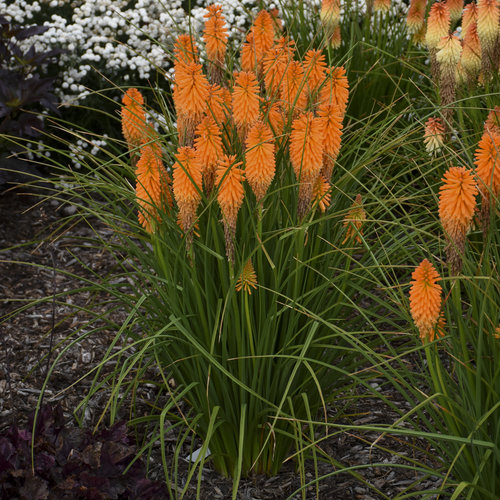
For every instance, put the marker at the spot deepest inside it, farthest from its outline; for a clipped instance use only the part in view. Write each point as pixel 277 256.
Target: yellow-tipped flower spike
pixel 488 30
pixel 247 279
pixel 151 187
pixel 335 88
pixel 259 158
pixel 314 69
pixel 488 17
pixel 434 135
pixel 330 15
pixel 293 88
pixel 449 50
pixel 187 186
pixel 425 300
pixel 230 195
pixel 492 124
pixel 416 16
pixel 438 24
pixel 133 118
pixel 321 193
pixel 245 100
pixel 382 5
pixel 353 222
pixel 471 54
pixel 469 17
pixel 208 145
pixel 455 8
pixel 457 204
pixel 332 120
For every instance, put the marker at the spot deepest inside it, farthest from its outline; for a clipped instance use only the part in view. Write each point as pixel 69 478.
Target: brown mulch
pixel 31 260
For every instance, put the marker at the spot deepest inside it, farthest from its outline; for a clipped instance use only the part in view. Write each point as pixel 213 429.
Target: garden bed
pixel 27 256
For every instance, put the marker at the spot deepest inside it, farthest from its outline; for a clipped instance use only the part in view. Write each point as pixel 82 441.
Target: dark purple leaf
pixel 115 453
pixel 31 31
pixel 117 432
pixel 44 462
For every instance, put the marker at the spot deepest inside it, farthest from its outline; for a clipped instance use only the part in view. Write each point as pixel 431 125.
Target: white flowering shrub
pixel 122 41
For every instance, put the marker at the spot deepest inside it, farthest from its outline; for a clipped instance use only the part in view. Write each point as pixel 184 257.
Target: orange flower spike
pixel 306 146
pixel 293 88
pixel 151 187
pixel 245 99
pixel 215 33
pixel 314 69
pixel 335 89
pixel 277 22
pixel 382 5
pixel 306 155
pixel 208 145
pixel 487 161
pixel 133 118
pixel 230 195
pixel 247 279
pixel 457 201
pixel 274 66
pixel 438 24
pixel 249 54
pixel 434 135
pixel 416 16
pixel 469 18
pixel 425 299
pixel 455 8
pixel 321 193
pixel 336 38
pixel 259 158
pixel 332 119
pixel 216 103
pixel 229 178
pixel 185 50
pixel 353 222
pixel 192 89
pixel 187 185
pixel 263 33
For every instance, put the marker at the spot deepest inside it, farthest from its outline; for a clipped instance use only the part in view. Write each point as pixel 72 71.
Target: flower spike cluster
pixel 276 102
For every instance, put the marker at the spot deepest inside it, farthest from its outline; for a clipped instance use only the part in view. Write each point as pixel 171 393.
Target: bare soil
pixel 37 323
